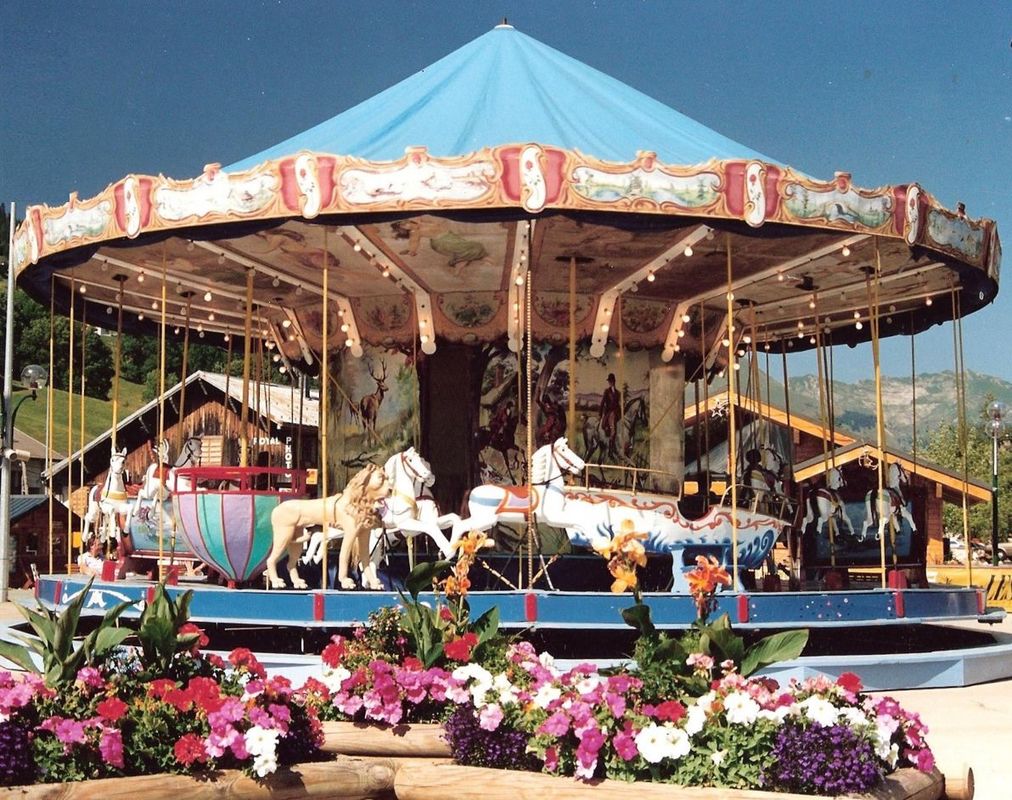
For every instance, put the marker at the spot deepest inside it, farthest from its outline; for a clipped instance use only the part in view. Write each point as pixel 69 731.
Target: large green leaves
pixel 158 630
pixel 55 641
pixel 772 649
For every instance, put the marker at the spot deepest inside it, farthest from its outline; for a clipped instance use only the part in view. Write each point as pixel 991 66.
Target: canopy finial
pixel 504 24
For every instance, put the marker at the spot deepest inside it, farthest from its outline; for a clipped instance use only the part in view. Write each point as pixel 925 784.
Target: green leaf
pixel 433 654
pixel 487 625
pixel 782 646
pixel 638 617
pixel 19 654
pixel 730 644
pixel 421 578
pixel 105 639
pixel 670 650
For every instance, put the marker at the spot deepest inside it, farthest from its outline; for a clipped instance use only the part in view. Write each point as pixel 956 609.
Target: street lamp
pixel 995 426
pixel 33 377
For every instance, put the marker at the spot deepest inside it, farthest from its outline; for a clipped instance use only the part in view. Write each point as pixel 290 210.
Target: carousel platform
pixel 542 609
pixel 894 639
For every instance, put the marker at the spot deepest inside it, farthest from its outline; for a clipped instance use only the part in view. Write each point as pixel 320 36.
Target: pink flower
pixel 111 747
pixel 490 717
pixel 849 682
pixel 925 760
pixel 555 725
pixel 69 731
pixel 551 759
pixel 90 678
pixel 624 742
pixel 591 742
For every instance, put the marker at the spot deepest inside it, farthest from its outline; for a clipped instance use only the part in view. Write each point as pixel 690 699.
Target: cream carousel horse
pixel 354 511
pixel 105 502
pixel 887 508
pixel 591 517
pixel 825 504
pixel 161 479
pixel 409 511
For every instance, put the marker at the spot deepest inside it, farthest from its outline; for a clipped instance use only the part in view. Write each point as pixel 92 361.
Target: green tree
pixel 944 448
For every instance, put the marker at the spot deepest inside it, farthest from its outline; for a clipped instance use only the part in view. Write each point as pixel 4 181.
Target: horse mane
pixel 539 464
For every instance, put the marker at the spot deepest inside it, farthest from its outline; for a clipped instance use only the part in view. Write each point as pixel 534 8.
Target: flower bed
pixel 690 712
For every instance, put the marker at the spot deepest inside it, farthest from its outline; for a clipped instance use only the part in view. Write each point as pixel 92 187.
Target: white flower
pixel 776 716
pixel 547 660
pixel 854 717
pixel 657 742
pixel 506 691
pixel 262 741
pixel 740 709
pixel 472 671
pixel 695 719
pixel 265 765
pixel 588 684
pixel 706 700
pixel 333 678
pixel 546 694
pixel 820 710
pixel 652 743
pixel 718 756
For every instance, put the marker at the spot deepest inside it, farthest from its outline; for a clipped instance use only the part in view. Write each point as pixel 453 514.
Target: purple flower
pixel 822 760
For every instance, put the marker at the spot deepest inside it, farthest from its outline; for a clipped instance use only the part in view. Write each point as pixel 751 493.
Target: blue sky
pixel 891 92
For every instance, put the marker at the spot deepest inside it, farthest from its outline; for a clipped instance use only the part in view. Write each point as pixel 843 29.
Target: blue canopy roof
pixel 504 88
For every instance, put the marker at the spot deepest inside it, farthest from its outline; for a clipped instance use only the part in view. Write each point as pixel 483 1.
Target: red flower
pixel 412 663
pixel 202 640
pixel 243 658
pixel 460 649
pixel 160 687
pixel 445 614
pixel 333 652
pixel 188 749
pixel 179 699
pixel 205 692
pixel 112 709
pixel 670 710
pixel 849 682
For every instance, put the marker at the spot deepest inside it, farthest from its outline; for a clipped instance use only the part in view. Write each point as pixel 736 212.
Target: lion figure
pixel 353 511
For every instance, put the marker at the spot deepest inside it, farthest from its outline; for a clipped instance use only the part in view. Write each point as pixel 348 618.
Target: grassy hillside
pixel 97 415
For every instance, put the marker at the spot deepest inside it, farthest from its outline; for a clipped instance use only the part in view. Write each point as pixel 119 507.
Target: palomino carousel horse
pixel 592 517
pixel 105 502
pixel 824 505
pixel 409 511
pixel 355 511
pixel 888 508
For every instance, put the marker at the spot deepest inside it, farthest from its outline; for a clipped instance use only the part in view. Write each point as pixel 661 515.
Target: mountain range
pixel 854 403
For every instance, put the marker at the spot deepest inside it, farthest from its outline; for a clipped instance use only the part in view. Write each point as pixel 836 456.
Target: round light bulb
pixel 207 297
pixel 688 251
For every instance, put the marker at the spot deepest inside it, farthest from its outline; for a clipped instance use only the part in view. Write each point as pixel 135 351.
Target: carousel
pixel 505 274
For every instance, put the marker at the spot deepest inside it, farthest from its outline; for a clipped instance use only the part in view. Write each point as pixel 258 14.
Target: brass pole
pixel 732 399
pixel 324 401
pixel 571 426
pixel 70 432
pixel 243 427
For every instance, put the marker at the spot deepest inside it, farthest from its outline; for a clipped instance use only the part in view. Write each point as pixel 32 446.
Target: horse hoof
pixel 300 585
pixel 348 583
pixel 277 583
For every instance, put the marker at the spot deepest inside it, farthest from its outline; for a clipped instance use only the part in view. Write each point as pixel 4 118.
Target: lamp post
pixel 33 377
pixel 995 426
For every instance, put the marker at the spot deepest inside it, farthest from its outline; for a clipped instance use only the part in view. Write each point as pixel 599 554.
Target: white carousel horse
pixel 409 510
pixel 825 504
pixel 594 516
pixel 161 480
pixel 105 502
pixel 888 507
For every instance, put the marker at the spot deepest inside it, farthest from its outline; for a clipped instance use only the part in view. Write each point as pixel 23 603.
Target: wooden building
pixel 809 450
pixel 281 424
